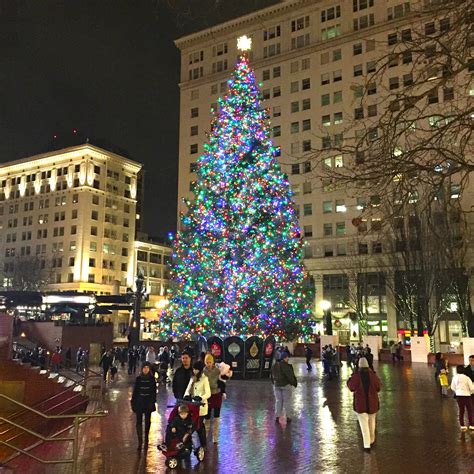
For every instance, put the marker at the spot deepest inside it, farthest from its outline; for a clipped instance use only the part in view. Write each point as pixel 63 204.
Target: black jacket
pixel 144 394
pixel 469 371
pixel 180 381
pixel 283 375
pixel 182 427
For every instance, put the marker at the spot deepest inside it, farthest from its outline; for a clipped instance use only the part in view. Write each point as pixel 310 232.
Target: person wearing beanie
pixel 284 382
pixel 199 389
pixel 365 385
pixel 143 402
pixel 215 401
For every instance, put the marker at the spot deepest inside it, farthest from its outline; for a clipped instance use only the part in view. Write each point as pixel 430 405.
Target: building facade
pixel 312 58
pixel 70 216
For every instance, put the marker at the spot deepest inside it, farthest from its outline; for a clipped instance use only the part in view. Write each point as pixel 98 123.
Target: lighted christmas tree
pixel 237 261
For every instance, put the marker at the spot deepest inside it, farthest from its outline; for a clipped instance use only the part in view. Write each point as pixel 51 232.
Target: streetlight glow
pixel 325 305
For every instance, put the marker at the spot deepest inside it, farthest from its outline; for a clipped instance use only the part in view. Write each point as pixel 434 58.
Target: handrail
pixel 75 438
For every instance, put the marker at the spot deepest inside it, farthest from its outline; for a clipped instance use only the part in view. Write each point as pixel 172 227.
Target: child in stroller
pixel 182 422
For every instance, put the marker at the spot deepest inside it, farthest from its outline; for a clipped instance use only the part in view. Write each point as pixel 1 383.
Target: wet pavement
pixel 417 430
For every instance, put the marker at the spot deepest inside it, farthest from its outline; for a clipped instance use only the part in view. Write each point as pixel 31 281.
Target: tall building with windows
pixel 70 215
pixel 312 58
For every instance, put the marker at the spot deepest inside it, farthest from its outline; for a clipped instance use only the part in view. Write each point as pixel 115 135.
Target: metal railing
pixel 78 419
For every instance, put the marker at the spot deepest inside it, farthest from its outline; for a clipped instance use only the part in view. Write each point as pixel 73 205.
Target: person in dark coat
pixel 284 382
pixel 143 402
pixel 106 362
pixel 365 385
pixel 469 369
pixel 182 376
pixel 132 361
pixel 308 353
pixel 370 358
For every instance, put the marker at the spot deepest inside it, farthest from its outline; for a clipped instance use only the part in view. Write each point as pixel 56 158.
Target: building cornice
pixel 45 159
pixel 234 25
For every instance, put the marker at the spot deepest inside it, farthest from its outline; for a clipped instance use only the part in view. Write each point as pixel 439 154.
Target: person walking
pixel 308 353
pixel 143 402
pixel 393 351
pixel 284 380
pixel 439 364
pixel 463 388
pixel 132 361
pixel 365 385
pixel 215 400
pixel 199 390
pixel 106 363
pixel 182 376
pixel 56 360
pixel 469 369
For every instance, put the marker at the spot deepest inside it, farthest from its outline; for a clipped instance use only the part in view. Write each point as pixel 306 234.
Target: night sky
pixel 108 69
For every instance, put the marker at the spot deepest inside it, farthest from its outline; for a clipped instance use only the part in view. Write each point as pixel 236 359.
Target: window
pixel 372 88
pixel 327 230
pixel 357 49
pixel 294 127
pixel 307 209
pixel 193 149
pixel 448 93
pixel 358 5
pixel 300 41
pixel 276 71
pixel 306 125
pixel 265 94
pixel 94 215
pixel 295 107
pixel 337 97
pixel 444 25
pixel 305 84
pixel 324 58
pixel 307 167
pixel 326 120
pixel 340 228
pixel 331 32
pixel 272 32
pixel 359 113
pixel 196 57
pixel 194 130
pixel 214 89
pixel 300 23
pixel 305 64
pixel 308 231
pixel 338 161
pixel 294 86
pixel 277 111
pixel 430 51
pixel 271 50
pixel 406 35
pixel 327 207
pixel 376 224
pixel 294 67
pixel 393 83
pixel 358 70
pixel 371 66
pixel 276 91
pixel 325 79
pixel 363 248
pixel 328 251
pixel 195 112
pixel 306 104
pixel 372 110
pixel 407 79
pixel 307 187
pixel 398 11
pixel 392 60
pixel 93 230
pixel 219 49
pixel 195 94
pixel 364 22
pixel 265 74
pixel 406 57
pixel 433 97
pixel 430 28
pixel 196 73
pixel 337 76
pixel 337 55
pixel 330 13
pixel 277 131
pixel 325 99
pixel 295 169
pixel 340 205
pixel 392 39
pixel 376 247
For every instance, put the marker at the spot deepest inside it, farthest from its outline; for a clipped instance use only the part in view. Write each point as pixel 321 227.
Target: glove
pixel 197 399
pixel 187 398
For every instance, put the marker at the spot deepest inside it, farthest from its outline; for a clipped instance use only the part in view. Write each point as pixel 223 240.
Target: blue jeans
pixel 283 399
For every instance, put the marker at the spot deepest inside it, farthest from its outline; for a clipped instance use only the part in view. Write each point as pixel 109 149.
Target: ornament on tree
pixel 237 260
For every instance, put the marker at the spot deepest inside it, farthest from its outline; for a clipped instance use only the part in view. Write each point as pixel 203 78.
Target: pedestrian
pixel 106 363
pixel 308 352
pixel 132 361
pixel 444 382
pixel 68 358
pixel 182 376
pixel 463 388
pixel 370 357
pixel 144 402
pixel 56 360
pixel 78 359
pixel 348 355
pixel 335 361
pixel 399 351
pixel 199 390
pixel 215 400
pixel 365 385
pixel 393 351
pixel 469 369
pixel 439 364
pixel 284 382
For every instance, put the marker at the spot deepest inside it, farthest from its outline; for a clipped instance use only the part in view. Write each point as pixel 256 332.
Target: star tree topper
pixel 244 43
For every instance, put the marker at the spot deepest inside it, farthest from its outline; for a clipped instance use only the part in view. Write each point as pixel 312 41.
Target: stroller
pixel 175 450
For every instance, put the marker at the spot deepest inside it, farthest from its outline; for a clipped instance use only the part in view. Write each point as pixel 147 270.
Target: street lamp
pixel 137 296
pixel 326 307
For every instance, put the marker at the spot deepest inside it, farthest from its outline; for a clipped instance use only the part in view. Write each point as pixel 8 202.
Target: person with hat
pixel 199 391
pixel 284 382
pixel 365 385
pixel 182 375
pixel 143 402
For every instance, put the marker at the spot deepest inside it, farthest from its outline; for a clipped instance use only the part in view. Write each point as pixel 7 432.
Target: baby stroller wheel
pixel 200 453
pixel 172 463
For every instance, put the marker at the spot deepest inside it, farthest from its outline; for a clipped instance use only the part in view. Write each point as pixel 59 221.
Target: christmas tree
pixel 237 260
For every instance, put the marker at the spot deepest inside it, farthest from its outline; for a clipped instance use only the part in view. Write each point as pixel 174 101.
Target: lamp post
pixel 326 307
pixel 137 296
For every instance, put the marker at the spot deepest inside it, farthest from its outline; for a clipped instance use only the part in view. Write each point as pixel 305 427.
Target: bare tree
pixel 29 273
pixel 415 130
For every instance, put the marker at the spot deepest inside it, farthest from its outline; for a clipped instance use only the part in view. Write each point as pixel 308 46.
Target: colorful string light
pixel 237 260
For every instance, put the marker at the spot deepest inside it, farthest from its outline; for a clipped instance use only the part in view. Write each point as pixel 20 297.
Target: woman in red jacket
pixel 365 385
